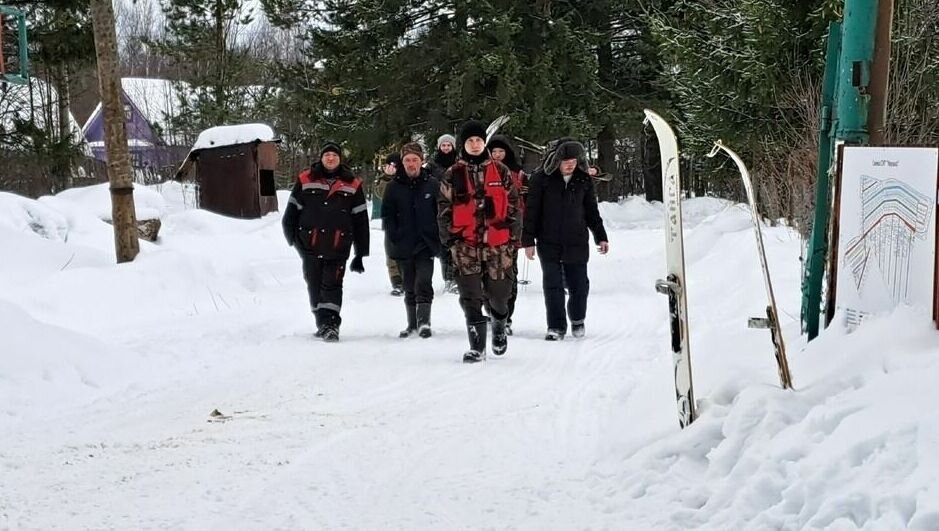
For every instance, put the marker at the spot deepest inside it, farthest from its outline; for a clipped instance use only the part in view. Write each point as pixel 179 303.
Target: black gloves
pixel 356 265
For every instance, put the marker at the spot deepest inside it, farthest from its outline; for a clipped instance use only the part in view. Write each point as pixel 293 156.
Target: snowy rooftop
pixel 232 135
pixel 15 104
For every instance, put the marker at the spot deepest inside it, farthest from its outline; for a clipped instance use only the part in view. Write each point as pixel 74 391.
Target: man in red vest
pixel 479 224
pixel 326 217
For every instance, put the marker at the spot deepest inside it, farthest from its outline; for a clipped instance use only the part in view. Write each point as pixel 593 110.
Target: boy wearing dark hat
pixel 326 217
pixel 501 150
pixel 479 224
pixel 389 170
pixel 409 218
pixel 561 208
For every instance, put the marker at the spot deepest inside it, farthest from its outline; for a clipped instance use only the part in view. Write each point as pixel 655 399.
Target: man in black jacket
pixel 409 218
pixel 325 218
pixel 561 207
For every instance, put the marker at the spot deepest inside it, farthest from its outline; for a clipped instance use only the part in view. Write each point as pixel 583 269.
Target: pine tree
pixel 203 40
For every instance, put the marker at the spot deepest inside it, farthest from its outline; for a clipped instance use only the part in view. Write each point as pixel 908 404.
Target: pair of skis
pixel 674 285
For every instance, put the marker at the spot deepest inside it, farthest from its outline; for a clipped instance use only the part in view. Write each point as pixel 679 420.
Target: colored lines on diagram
pixel 894 216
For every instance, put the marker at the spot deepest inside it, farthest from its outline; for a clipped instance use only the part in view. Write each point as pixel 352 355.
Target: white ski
pixel 494 126
pixel 674 284
pixel 771 320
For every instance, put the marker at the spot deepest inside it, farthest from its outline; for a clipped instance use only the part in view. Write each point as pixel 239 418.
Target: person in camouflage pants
pixel 479 224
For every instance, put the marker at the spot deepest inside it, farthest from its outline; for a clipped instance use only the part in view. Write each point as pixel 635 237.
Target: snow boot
pixel 412 323
pixel 578 330
pixel 500 341
pixel 423 320
pixel 477 341
pixel 319 326
pixel 554 335
pixel 508 327
pixel 330 334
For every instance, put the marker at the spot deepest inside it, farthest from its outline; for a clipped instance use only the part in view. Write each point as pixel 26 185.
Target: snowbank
pixel 97 201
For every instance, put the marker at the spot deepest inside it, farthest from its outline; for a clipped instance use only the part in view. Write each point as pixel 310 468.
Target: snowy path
pixel 381 433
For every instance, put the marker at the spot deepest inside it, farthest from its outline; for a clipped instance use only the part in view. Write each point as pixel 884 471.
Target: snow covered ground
pixel 108 375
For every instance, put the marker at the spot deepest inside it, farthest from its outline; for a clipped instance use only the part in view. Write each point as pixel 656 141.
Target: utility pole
pixel 123 215
pixel 850 125
pixel 880 73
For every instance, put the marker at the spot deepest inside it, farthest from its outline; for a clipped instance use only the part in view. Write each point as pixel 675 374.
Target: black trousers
pixel 324 286
pixel 446 267
pixel 418 275
pixel 557 275
pixel 514 296
pixel 478 290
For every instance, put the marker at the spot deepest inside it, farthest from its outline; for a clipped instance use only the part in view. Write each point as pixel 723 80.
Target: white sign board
pixel 887 230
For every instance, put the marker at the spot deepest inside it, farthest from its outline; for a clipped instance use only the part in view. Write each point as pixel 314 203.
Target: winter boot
pixel 330 334
pixel 554 335
pixel 500 342
pixel 477 341
pixel 508 327
pixel 412 323
pixel 319 327
pixel 578 330
pixel 423 320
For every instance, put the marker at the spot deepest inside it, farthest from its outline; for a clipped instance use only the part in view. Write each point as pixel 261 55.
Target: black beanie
pixel 330 146
pixel 393 158
pixel 470 129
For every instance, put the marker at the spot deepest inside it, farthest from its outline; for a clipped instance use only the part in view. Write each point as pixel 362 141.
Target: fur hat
pixel 330 146
pixel 470 129
pixel 412 148
pixel 565 149
pixel 444 139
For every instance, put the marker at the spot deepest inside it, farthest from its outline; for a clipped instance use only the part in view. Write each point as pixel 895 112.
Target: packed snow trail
pixel 105 403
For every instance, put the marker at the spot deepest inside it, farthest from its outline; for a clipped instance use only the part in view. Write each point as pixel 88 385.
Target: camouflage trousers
pixel 498 263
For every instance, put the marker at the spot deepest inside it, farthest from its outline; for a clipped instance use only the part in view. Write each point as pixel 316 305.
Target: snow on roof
pixel 231 135
pixel 15 104
pixel 159 101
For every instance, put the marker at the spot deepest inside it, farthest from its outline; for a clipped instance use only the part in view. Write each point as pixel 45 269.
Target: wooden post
pixel 123 214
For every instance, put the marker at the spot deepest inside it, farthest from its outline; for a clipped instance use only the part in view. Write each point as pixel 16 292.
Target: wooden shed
pixel 234 170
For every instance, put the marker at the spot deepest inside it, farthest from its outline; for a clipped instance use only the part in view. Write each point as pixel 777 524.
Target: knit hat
pixel 393 158
pixel 470 129
pixel 444 139
pixel 412 148
pixel 330 146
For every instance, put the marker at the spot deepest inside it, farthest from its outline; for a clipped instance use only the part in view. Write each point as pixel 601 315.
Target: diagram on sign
pixel 894 219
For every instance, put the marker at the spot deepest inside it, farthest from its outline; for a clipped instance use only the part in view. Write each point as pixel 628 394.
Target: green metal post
pixel 850 125
pixel 22 75
pixel 818 244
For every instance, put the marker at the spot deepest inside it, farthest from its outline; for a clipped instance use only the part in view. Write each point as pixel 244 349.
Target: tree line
pixel 374 74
